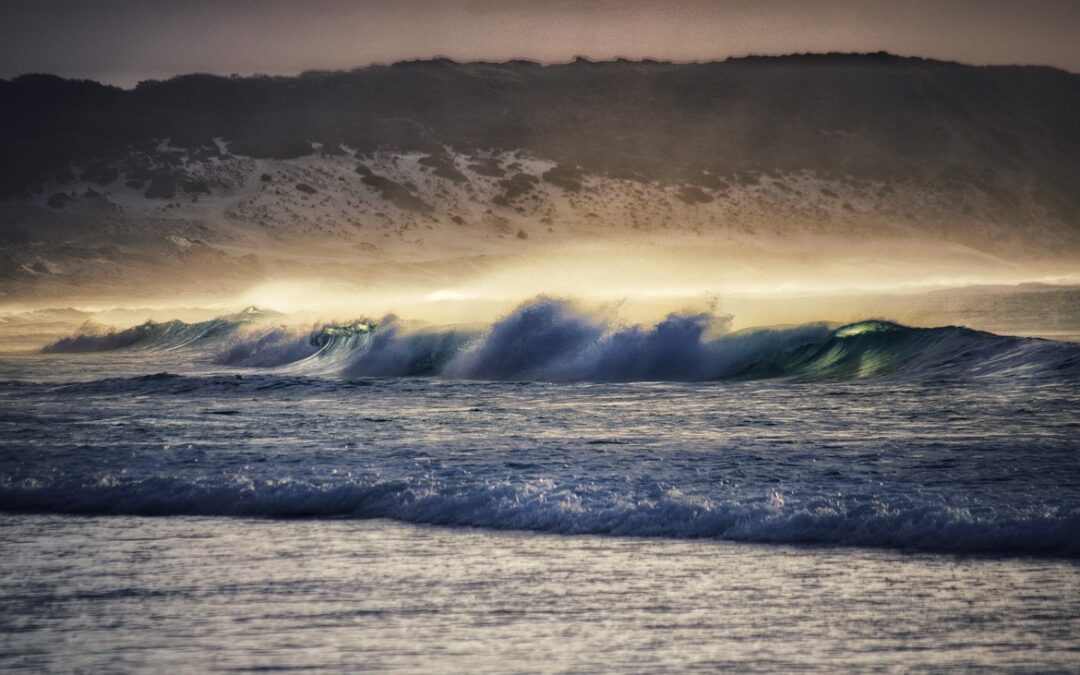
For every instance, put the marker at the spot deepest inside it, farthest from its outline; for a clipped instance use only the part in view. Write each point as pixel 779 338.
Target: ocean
pixel 549 493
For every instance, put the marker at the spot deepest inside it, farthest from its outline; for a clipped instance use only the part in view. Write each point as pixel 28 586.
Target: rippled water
pixel 941 467
pixel 202 594
pixel 914 503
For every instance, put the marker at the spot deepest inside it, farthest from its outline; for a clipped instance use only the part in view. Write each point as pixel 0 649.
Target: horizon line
pixel 439 58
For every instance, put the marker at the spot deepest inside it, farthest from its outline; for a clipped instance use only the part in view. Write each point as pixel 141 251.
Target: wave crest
pixel 148 336
pixel 541 505
pixel 554 340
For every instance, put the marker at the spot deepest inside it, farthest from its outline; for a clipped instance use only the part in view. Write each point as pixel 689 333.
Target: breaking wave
pixel 319 350
pixel 151 335
pixel 598 509
pixel 553 340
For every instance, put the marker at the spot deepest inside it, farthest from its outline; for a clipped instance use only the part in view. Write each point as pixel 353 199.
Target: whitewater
pixel 556 439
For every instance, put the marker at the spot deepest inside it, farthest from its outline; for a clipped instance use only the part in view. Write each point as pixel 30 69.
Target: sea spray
pixel 555 340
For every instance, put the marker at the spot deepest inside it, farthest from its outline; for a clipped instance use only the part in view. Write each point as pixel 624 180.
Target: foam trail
pixel 600 509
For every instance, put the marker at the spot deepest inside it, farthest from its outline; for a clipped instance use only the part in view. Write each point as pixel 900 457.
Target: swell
pixel 151 335
pixel 553 340
pixel 541 506
pixel 317 350
pixel 881 348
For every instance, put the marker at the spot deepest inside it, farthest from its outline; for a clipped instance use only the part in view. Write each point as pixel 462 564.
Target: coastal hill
pixel 230 179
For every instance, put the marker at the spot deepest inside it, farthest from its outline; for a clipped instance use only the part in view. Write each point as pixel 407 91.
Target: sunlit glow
pixel 762 284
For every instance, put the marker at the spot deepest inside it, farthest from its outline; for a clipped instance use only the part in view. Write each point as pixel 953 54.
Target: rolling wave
pixel 553 340
pixel 151 335
pixel 314 351
pixel 597 509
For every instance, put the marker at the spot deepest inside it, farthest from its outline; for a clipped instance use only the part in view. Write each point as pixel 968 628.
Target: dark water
pixel 941 467
pixel 880 452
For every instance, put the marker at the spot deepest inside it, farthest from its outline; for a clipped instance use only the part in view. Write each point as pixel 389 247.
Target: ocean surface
pixel 553 492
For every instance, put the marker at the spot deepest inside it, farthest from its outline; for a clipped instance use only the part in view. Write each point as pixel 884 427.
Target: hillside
pixel 211 182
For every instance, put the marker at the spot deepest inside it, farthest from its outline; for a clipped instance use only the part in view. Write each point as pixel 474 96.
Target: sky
pixel 125 41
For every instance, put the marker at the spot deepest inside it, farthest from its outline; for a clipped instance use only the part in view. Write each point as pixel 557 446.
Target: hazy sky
pixel 124 41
